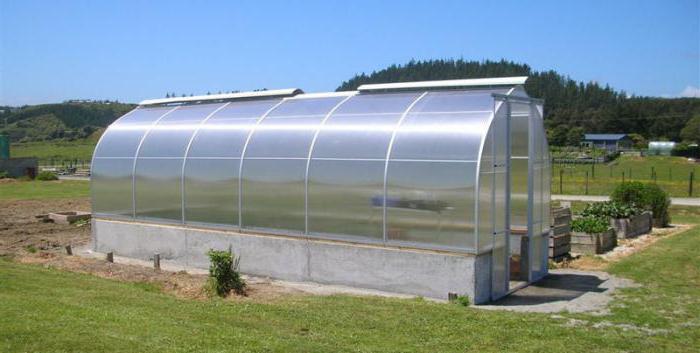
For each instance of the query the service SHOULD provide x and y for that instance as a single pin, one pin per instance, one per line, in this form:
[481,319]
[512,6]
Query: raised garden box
[590,244]
[632,227]
[559,245]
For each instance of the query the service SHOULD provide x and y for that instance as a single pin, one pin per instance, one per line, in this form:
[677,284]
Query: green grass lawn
[46,310]
[672,175]
[57,151]
[35,189]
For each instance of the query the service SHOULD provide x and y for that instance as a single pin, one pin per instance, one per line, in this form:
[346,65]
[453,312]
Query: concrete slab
[564,290]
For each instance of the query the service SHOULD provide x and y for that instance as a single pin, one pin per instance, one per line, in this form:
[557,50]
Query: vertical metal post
[561,181]
[586,182]
[623,176]
[593,170]
[690,183]
[386,162]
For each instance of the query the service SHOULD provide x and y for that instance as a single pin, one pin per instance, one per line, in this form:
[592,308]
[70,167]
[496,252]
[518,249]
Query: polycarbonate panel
[224,140]
[518,192]
[440,136]
[211,191]
[158,189]
[346,197]
[171,135]
[351,136]
[224,134]
[500,182]
[456,101]
[486,202]
[431,203]
[273,194]
[122,138]
[111,186]
[382,103]
[305,106]
[283,137]
[519,136]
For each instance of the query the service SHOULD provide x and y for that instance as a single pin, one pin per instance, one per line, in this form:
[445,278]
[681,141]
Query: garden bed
[593,243]
[633,226]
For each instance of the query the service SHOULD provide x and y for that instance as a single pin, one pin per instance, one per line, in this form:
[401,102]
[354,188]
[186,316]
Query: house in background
[610,142]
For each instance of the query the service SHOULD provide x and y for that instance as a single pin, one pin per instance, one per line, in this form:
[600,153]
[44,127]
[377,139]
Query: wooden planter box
[597,243]
[626,228]
[559,245]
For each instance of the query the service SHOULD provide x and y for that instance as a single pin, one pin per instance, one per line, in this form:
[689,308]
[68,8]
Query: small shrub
[657,201]
[4,174]
[630,193]
[647,196]
[590,225]
[223,273]
[30,248]
[463,300]
[46,176]
[611,209]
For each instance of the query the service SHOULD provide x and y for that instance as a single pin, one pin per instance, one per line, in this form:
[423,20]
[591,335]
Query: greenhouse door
[500,253]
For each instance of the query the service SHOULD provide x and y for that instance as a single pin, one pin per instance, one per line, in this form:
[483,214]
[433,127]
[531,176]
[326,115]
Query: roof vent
[224,97]
[471,83]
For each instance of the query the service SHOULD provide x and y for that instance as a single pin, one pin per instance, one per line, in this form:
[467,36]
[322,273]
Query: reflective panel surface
[111,186]
[158,189]
[346,197]
[431,202]
[211,191]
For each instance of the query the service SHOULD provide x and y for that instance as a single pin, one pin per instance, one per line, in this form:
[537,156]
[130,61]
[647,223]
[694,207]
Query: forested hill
[571,107]
[68,120]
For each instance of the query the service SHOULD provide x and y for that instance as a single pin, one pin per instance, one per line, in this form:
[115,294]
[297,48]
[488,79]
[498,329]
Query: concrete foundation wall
[425,273]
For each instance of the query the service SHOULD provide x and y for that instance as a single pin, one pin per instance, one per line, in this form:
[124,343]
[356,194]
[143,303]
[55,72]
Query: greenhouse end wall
[398,191]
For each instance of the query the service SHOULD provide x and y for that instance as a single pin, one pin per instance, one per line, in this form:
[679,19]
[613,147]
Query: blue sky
[132,50]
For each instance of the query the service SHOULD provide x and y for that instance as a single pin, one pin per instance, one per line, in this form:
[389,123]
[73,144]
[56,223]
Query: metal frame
[471,83]
[223,97]
[389,149]
[136,157]
[187,152]
[308,161]
[240,163]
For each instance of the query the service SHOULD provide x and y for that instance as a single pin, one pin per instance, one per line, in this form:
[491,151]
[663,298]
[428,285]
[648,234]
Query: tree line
[571,108]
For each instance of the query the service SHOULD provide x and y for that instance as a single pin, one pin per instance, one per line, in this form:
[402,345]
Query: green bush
[223,273]
[4,174]
[590,225]
[46,175]
[611,209]
[647,196]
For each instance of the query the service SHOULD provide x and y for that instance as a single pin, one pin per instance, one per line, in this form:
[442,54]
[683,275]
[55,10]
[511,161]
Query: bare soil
[26,239]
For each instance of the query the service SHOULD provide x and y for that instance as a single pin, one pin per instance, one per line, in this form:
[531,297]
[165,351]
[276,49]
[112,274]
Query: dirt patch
[21,233]
[624,248]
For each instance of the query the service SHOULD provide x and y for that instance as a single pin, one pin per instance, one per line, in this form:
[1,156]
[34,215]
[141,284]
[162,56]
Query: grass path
[46,310]
[36,189]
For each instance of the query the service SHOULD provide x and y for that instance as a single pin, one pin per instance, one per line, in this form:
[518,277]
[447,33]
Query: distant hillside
[571,108]
[63,121]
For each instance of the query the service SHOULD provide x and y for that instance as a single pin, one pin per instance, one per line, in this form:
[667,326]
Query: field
[45,309]
[11,189]
[54,152]
[672,174]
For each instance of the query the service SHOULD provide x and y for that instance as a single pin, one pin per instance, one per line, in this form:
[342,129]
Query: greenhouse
[425,188]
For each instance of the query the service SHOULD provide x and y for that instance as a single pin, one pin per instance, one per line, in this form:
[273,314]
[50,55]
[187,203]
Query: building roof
[604,137]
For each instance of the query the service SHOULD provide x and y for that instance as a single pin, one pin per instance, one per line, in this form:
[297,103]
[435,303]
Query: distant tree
[691,131]
[557,135]
[574,136]
[638,140]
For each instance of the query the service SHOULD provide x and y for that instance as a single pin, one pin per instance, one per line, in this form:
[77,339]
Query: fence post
[623,176]
[611,173]
[670,176]
[690,183]
[652,172]
[561,182]
[586,182]
[593,170]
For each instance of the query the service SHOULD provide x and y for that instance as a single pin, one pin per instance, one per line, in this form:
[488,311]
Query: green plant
[657,201]
[4,174]
[611,209]
[46,176]
[223,273]
[30,248]
[590,225]
[462,300]
[647,196]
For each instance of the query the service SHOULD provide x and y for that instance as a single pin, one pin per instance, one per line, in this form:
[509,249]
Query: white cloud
[691,91]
